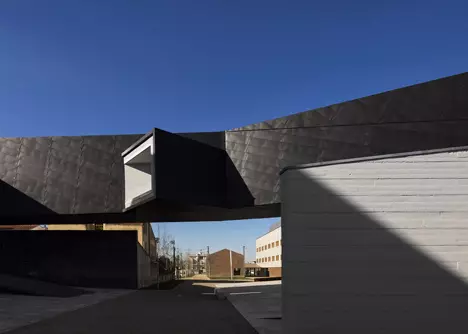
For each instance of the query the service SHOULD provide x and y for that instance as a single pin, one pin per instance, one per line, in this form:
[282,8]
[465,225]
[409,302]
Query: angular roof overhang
[231,174]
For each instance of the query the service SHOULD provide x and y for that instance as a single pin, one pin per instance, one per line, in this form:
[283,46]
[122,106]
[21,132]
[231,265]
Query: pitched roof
[223,250]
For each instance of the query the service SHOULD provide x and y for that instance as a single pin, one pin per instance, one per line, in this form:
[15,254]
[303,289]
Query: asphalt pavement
[187,308]
[259,303]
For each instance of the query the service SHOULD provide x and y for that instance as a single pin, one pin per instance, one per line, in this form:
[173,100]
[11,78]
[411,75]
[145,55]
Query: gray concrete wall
[377,246]
[137,181]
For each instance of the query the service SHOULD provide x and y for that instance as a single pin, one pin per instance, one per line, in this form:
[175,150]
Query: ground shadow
[165,285]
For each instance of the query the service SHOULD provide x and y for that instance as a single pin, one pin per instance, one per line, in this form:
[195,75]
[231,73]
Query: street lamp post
[157,262]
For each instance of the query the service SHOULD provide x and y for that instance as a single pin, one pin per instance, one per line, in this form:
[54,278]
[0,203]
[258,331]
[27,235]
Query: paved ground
[188,308]
[259,303]
[20,310]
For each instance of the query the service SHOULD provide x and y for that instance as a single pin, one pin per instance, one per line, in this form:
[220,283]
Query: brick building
[219,264]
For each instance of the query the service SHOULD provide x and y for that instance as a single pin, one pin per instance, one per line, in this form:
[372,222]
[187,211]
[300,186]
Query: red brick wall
[219,265]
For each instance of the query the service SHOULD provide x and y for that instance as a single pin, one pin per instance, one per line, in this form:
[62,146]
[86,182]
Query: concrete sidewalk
[227,286]
[259,303]
[185,309]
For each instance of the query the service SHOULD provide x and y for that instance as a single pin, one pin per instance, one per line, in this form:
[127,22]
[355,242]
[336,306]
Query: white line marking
[208,293]
[244,293]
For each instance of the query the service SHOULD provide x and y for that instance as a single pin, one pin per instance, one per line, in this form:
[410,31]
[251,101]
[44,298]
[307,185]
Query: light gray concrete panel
[377,247]
[412,203]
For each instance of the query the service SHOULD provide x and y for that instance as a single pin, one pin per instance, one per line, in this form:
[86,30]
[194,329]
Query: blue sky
[103,67]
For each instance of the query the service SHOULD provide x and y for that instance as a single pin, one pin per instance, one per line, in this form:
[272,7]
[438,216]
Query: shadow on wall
[16,203]
[105,259]
[346,271]
[18,208]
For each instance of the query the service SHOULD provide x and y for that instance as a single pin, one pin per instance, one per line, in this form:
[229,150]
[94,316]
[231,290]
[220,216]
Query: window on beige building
[277,243]
[277,257]
[269,259]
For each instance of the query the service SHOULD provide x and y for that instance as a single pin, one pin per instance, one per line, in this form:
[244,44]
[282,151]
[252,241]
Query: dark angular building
[372,194]
[77,179]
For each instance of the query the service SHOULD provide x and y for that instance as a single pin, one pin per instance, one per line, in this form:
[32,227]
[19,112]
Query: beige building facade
[269,253]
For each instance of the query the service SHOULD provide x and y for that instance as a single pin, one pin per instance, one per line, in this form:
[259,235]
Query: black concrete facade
[231,174]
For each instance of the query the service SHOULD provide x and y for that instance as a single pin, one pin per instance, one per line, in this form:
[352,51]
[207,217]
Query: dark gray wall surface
[80,258]
[68,175]
[188,171]
[425,116]
[215,139]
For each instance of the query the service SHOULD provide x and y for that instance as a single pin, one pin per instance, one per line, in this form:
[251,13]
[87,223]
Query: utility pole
[208,266]
[230,261]
[243,261]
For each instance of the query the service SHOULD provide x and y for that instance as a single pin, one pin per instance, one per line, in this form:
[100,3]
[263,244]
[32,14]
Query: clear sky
[124,66]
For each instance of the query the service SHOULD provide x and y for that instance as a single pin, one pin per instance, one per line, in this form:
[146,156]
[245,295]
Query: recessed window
[137,172]
[277,243]
[277,257]
[269,259]
[269,246]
